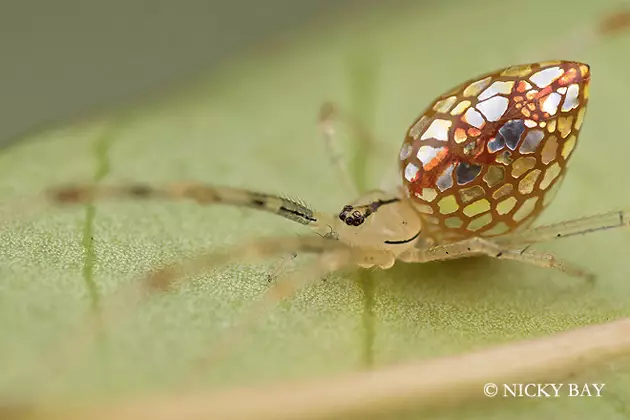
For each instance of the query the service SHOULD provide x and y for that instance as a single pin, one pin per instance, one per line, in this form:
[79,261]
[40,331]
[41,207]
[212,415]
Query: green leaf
[253,125]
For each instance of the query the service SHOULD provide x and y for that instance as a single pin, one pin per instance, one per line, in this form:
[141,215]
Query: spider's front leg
[479,247]
[330,116]
[332,256]
[281,267]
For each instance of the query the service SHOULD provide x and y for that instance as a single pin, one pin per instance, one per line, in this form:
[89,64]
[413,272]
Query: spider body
[477,167]
[484,158]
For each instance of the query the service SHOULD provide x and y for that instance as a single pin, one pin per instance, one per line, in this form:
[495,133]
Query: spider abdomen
[483,159]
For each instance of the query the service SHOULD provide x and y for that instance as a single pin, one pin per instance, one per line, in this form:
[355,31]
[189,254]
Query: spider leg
[328,115]
[285,286]
[331,256]
[478,247]
[203,194]
[581,226]
[293,210]
[281,266]
[164,278]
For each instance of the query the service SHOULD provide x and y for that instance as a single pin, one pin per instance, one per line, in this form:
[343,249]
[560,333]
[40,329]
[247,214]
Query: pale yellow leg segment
[291,209]
[328,115]
[281,267]
[285,286]
[164,278]
[332,257]
[545,260]
[581,226]
[479,247]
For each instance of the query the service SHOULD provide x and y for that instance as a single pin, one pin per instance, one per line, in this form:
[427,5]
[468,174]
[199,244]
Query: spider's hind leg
[544,260]
[479,247]
[567,228]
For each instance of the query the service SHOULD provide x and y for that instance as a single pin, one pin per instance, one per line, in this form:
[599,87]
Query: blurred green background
[67,58]
[250,122]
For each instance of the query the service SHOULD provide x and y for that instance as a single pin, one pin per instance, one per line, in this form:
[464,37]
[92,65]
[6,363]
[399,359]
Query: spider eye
[344,213]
